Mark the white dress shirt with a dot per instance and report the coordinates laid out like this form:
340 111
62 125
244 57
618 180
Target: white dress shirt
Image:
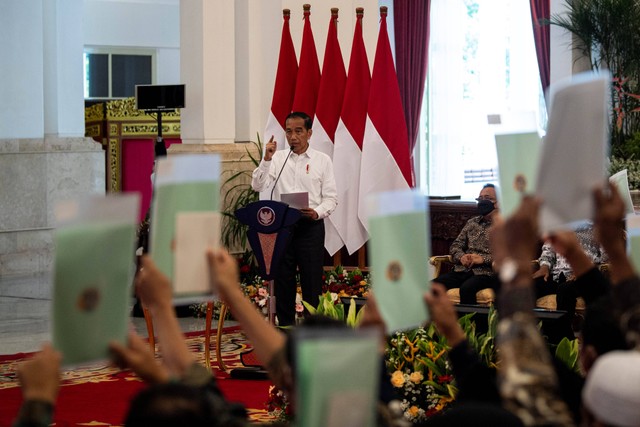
311 171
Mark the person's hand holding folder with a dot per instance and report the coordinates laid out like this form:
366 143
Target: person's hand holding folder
154 289
138 357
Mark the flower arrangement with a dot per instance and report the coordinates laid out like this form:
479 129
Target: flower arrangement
253 286
420 369
346 283
331 307
420 372
278 405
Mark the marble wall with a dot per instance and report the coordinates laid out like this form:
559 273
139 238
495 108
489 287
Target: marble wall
34 175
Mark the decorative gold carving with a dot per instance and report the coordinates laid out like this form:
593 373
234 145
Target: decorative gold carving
125 109
92 130
149 129
95 113
114 165
113 130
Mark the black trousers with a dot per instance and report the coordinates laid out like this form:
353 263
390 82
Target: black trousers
468 283
304 253
566 296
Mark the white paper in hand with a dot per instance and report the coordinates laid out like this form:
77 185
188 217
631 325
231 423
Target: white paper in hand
195 232
298 200
574 150
621 181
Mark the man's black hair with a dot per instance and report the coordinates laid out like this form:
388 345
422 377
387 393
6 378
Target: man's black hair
488 185
308 121
180 405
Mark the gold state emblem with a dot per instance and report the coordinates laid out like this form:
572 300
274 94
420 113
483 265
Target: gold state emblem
88 300
394 271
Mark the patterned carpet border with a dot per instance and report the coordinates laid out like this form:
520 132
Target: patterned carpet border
233 344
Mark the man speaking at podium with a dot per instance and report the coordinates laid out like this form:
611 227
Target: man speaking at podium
299 169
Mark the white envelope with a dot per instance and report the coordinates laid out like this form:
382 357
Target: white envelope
574 150
621 181
195 232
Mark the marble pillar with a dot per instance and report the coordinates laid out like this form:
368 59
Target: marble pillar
44 156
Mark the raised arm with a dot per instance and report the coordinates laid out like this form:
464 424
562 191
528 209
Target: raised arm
40 381
154 289
265 339
261 177
526 377
609 230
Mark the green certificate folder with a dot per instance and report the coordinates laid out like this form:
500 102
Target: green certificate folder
518 155
185 183
398 225
338 377
94 266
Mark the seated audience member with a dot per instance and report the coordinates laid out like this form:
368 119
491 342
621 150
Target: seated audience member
555 276
527 390
611 394
471 253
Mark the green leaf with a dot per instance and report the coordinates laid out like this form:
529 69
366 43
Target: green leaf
351 314
360 315
432 366
568 352
309 307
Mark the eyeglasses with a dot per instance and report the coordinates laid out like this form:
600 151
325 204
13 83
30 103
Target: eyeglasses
489 198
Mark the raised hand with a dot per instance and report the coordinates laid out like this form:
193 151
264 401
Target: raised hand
152 286
40 377
443 314
270 149
223 272
138 357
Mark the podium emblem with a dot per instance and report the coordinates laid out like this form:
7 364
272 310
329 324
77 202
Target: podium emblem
266 216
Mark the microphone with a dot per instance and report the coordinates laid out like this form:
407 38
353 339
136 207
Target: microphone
281 169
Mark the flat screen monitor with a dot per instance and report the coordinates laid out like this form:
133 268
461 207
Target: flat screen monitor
159 97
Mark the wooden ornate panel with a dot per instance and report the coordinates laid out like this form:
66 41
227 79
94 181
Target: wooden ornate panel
110 122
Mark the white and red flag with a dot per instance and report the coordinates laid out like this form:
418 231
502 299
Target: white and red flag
330 95
386 163
308 81
331 91
284 88
349 137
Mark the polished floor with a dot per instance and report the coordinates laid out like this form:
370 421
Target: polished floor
25 307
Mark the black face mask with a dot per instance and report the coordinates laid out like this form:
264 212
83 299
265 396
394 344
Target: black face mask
485 207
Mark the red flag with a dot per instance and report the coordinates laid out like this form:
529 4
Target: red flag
331 92
386 163
308 81
285 86
330 95
348 144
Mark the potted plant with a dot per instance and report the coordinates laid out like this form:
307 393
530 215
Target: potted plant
606 33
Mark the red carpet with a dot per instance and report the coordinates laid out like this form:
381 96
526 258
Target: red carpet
99 395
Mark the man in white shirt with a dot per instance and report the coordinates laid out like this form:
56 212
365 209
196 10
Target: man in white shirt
300 169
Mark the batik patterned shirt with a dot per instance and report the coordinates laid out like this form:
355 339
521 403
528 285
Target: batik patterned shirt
559 265
473 239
